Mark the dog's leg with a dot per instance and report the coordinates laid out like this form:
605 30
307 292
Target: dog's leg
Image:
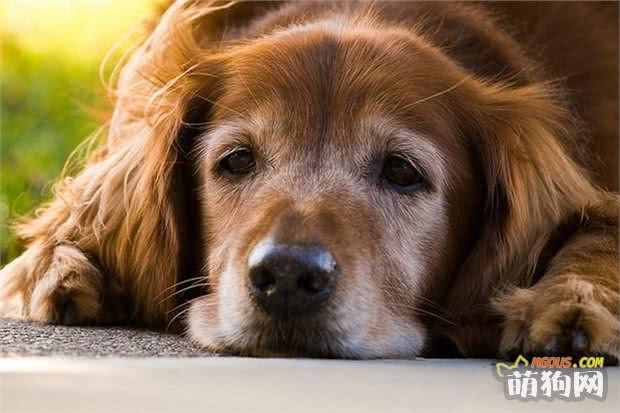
65 276
574 308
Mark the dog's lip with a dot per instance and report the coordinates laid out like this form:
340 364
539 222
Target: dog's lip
269 350
286 339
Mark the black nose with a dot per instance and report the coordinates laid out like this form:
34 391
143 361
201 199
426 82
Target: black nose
291 279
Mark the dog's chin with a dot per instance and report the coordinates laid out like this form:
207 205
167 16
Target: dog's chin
310 338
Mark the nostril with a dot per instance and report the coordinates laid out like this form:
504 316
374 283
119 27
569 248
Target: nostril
263 280
290 279
313 283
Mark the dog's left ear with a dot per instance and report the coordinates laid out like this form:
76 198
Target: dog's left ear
532 184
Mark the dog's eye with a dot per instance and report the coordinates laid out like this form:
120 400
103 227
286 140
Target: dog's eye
400 172
239 162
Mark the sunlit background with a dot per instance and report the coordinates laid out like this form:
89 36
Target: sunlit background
50 90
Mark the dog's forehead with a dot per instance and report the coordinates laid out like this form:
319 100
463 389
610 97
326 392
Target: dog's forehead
335 95
319 77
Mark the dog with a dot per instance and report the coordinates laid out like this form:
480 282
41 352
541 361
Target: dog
348 180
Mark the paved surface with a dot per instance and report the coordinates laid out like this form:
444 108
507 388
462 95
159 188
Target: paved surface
18 338
247 385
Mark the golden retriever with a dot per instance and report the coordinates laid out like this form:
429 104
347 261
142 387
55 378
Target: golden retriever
353 180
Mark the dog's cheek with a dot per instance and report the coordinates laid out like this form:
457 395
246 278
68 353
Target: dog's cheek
201 318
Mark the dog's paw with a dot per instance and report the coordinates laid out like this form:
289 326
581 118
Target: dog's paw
570 316
70 291
61 286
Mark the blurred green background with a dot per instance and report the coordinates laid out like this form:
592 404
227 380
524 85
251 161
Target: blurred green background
50 58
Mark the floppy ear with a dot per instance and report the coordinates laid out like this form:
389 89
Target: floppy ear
532 185
163 99
132 207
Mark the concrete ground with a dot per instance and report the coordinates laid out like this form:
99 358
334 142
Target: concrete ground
68 369
18 338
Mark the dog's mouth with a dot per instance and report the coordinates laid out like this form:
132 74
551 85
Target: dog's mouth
289 341
249 331
258 334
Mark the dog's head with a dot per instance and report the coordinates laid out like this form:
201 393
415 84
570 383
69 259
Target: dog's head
347 177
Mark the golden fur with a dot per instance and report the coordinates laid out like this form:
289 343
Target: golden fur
515 229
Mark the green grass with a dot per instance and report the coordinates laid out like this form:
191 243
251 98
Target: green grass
43 118
49 86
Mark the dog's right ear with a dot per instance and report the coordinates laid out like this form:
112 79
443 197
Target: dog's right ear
163 97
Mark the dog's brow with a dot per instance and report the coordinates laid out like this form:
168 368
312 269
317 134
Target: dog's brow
214 138
414 144
430 157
